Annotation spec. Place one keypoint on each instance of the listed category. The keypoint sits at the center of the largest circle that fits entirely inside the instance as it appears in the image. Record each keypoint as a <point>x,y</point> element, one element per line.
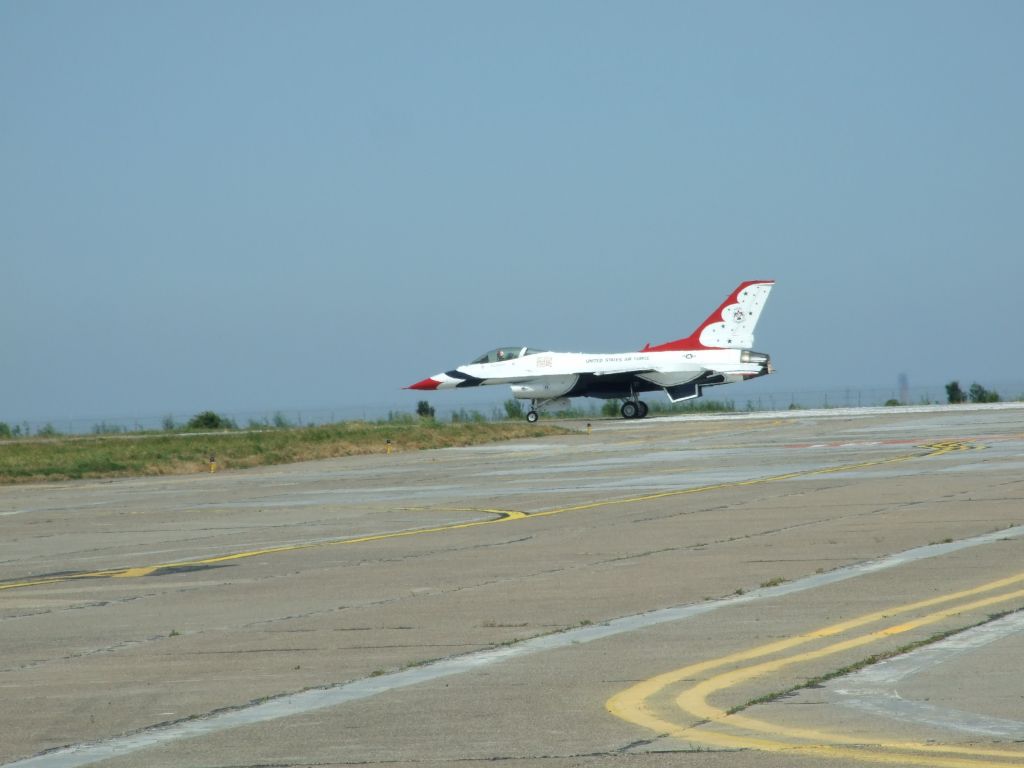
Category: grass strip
<point>29,460</point>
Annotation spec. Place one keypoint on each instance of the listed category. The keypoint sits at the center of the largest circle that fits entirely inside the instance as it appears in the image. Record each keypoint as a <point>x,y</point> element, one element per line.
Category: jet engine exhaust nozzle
<point>759,358</point>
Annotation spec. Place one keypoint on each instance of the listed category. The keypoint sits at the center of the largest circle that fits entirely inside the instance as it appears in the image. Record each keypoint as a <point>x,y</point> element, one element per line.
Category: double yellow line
<point>499,516</point>
<point>694,719</point>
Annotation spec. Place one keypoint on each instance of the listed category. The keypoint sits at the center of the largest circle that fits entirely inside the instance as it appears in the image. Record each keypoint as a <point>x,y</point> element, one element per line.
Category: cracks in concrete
<point>618,755</point>
<point>36,664</point>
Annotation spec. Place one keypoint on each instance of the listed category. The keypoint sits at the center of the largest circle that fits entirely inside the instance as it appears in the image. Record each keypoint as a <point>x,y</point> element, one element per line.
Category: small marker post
<point>213,463</point>
<point>588,427</point>
<point>388,446</point>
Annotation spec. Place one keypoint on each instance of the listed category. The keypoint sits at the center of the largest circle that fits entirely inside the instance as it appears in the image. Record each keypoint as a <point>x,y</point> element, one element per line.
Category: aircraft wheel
<point>532,416</point>
<point>629,410</point>
<point>643,409</point>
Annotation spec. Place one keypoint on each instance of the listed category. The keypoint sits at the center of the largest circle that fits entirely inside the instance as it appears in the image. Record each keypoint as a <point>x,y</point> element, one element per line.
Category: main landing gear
<point>633,409</point>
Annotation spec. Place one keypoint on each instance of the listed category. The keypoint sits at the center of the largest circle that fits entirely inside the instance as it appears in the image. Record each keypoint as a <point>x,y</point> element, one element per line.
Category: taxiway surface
<point>621,597</point>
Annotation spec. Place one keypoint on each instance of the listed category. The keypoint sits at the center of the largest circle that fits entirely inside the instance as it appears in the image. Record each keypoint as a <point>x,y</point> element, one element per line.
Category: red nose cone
<point>425,384</point>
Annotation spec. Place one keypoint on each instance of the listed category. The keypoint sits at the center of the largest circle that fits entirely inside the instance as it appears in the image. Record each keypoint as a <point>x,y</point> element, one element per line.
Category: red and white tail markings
<point>731,326</point>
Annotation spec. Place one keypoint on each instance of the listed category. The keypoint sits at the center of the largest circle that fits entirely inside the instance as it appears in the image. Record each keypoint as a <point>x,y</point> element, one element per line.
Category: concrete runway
<point>621,597</point>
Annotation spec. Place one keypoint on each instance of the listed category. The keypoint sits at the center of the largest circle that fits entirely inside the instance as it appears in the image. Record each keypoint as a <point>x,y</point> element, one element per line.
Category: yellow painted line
<point>504,516</point>
<point>694,700</point>
<point>632,704</point>
<point>934,450</point>
<point>131,573</point>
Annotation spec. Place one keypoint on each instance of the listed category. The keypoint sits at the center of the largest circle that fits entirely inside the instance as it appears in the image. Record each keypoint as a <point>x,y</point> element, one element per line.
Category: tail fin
<point>731,326</point>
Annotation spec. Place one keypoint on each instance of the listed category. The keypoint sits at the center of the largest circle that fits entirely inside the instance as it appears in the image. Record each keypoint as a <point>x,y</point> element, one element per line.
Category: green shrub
<point>463,416</point>
<point>696,405</point>
<point>514,408</point>
<point>210,420</point>
<point>282,422</point>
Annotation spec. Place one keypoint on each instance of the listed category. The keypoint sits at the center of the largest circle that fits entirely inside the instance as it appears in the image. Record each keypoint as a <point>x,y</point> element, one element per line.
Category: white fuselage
<point>717,352</point>
<point>560,370</point>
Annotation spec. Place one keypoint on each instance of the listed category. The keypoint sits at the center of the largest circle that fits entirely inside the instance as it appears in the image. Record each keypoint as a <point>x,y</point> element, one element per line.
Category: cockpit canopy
<point>504,353</point>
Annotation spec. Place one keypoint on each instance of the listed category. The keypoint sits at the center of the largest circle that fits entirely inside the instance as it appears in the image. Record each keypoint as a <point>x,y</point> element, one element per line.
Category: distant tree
<point>953,392</point>
<point>892,401</point>
<point>424,409</point>
<point>979,394</point>
<point>5,429</point>
<point>168,424</point>
<point>47,430</point>
<point>610,408</point>
<point>281,421</point>
<point>210,420</point>
<point>514,408</point>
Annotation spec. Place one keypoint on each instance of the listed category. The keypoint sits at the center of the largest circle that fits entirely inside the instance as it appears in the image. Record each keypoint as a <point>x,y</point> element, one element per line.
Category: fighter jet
<point>718,352</point>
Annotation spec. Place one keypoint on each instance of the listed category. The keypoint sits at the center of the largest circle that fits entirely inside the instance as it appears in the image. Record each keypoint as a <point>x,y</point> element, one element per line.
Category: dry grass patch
<point>29,460</point>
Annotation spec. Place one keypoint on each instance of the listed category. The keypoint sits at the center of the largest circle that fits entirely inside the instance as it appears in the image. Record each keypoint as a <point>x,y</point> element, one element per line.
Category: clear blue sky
<point>262,205</point>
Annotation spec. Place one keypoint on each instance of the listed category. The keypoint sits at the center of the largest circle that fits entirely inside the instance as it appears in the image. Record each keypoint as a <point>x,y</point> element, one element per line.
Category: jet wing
<point>619,371</point>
